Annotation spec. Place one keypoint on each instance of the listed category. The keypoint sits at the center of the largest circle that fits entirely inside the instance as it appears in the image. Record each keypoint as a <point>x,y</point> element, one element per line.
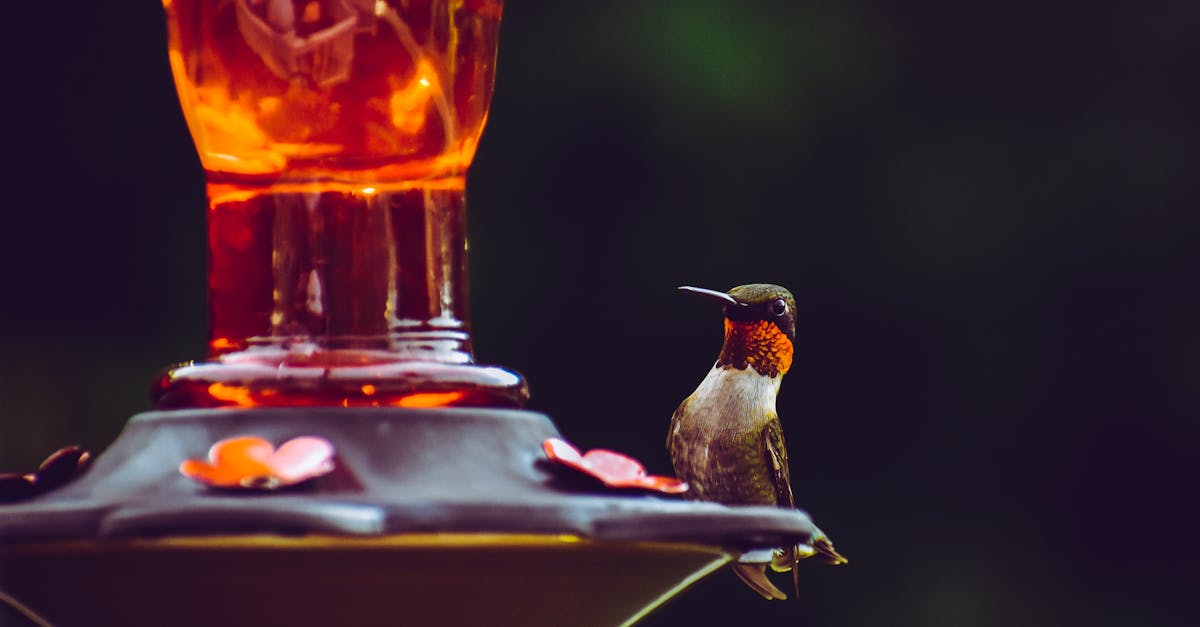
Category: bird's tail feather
<point>829,555</point>
<point>785,559</point>
<point>753,576</point>
<point>820,547</point>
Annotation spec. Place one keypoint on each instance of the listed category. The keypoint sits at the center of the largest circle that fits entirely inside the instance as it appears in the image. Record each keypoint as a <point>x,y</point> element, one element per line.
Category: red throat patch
<point>759,344</point>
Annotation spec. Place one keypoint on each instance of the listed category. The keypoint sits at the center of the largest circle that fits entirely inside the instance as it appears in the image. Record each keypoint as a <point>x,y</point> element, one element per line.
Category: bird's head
<point>760,326</point>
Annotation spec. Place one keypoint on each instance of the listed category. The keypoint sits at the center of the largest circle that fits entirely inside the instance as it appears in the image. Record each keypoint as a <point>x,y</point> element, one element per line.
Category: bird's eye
<point>778,307</point>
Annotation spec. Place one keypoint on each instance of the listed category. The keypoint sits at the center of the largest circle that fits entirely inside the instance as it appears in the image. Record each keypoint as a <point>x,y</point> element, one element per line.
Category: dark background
<point>987,212</point>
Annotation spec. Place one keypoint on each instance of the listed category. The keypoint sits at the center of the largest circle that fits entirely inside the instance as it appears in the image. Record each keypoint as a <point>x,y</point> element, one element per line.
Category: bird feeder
<point>339,457</point>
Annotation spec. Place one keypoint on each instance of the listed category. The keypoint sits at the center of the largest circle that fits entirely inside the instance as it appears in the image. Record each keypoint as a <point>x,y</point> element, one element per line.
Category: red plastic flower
<point>251,462</point>
<point>612,469</point>
<point>57,470</point>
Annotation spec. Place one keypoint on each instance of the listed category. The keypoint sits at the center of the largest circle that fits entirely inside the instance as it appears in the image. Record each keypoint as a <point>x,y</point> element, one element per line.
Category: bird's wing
<point>775,452</point>
<point>776,455</point>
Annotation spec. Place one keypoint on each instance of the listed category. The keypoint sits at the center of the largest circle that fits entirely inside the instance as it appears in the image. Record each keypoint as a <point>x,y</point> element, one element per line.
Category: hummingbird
<point>726,440</point>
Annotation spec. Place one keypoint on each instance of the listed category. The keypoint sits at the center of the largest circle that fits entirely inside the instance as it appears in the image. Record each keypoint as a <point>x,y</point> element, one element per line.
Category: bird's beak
<point>720,297</point>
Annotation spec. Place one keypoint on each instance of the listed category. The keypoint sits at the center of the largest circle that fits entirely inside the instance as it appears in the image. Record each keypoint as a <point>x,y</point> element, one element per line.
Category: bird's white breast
<point>714,429</point>
<point>729,398</point>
